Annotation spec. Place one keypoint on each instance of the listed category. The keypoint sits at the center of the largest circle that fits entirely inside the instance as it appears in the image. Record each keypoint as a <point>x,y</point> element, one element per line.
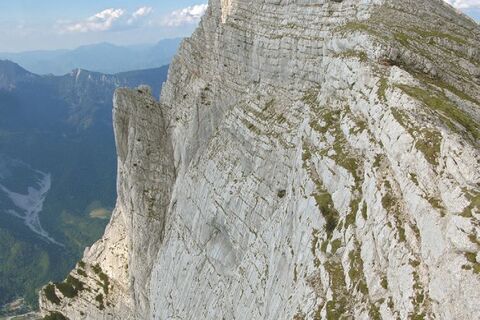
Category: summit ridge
<point>307,160</point>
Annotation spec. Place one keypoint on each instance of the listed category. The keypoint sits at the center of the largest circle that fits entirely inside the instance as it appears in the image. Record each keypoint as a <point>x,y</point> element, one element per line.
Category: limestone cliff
<point>308,160</point>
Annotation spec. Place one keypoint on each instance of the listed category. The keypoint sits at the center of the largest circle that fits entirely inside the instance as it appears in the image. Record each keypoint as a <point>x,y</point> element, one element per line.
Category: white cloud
<point>189,15</point>
<point>99,22</point>
<point>139,14</point>
<point>143,11</point>
<point>108,19</point>
<point>464,4</point>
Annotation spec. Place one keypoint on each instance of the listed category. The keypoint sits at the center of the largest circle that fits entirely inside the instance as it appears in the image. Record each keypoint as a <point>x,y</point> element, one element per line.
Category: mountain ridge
<point>102,57</point>
<point>325,162</point>
<point>10,73</point>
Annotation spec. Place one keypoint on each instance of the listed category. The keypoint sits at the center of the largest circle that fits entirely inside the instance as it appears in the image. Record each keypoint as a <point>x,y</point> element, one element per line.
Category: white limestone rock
<point>308,160</point>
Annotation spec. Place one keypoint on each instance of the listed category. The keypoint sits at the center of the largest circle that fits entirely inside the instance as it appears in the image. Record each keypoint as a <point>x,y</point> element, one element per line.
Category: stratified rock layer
<point>309,160</point>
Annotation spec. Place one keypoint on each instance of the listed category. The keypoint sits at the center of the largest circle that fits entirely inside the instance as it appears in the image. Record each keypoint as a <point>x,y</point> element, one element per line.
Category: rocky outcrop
<point>112,280</point>
<point>320,161</point>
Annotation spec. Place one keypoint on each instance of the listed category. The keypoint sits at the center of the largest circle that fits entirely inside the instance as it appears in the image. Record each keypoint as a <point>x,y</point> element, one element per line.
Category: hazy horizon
<point>94,44</point>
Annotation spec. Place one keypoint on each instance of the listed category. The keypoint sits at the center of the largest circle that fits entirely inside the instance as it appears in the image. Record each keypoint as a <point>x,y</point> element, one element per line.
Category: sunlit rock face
<point>308,160</point>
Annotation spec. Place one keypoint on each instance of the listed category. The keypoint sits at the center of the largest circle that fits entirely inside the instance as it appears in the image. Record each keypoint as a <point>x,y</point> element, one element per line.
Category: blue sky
<point>53,24</point>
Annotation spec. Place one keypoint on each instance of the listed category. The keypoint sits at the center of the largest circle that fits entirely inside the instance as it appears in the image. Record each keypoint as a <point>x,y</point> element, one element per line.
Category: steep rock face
<point>111,282</point>
<point>326,165</point>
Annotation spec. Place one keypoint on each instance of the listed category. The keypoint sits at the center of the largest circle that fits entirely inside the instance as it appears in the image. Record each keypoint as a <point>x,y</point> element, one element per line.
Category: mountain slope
<point>326,166</point>
<point>10,73</point>
<point>57,170</point>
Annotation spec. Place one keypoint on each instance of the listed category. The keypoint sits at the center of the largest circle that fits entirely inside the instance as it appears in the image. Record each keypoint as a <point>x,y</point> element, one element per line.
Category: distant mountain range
<point>102,57</point>
<point>57,170</point>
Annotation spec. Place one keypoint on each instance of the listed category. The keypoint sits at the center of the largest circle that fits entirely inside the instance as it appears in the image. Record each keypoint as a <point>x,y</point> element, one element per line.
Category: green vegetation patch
<point>352,216</point>
<point>354,54</point>
<point>382,89</point>
<point>420,296</point>
<point>310,97</point>
<point>315,234</point>
<point>50,294</point>
<point>345,157</point>
<point>299,316</point>
<point>338,306</point>
<point>82,272</point>
<point>325,205</point>
<point>390,203</point>
<point>356,271</point>
<point>429,142</point>
<point>401,117</point>
<point>70,287</point>
<point>384,283</point>
<point>445,86</point>
<point>438,34</point>
<point>55,316</point>
<point>472,265</point>
<point>67,290</point>
<point>364,211</point>
<point>306,155</point>
<point>414,179</point>
<point>336,244</point>
<point>343,298</point>
<point>403,38</point>
<point>356,26</point>
<point>357,276</point>
<point>449,112</point>
<point>99,299</point>
<point>388,200</point>
<point>105,282</point>
<point>473,206</point>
